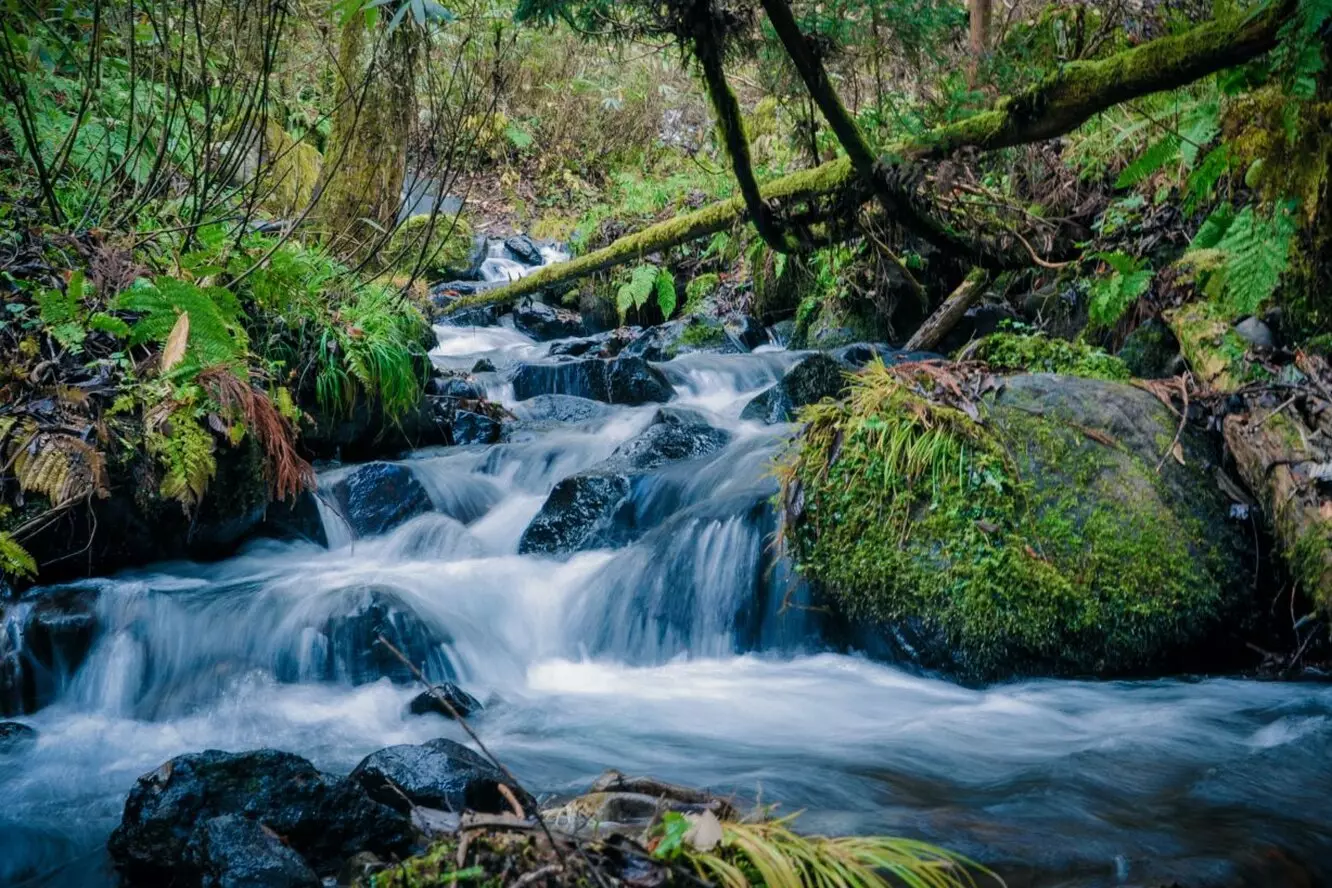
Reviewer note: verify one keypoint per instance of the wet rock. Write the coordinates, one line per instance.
(367, 433)
(579, 514)
(633, 381)
(1150, 351)
(323, 819)
(353, 653)
(474, 428)
(462, 702)
(577, 348)
(1256, 333)
(438, 774)
(783, 331)
(593, 509)
(560, 408)
(15, 737)
(624, 380)
(232, 851)
(295, 519)
(808, 382)
(668, 341)
(748, 331)
(545, 322)
(522, 248)
(43, 644)
(978, 322)
(380, 496)
(483, 365)
(459, 387)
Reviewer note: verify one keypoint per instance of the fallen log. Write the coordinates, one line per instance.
(947, 315)
(1057, 105)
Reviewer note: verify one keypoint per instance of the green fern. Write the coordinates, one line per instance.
(374, 348)
(644, 282)
(1111, 295)
(185, 454)
(63, 313)
(14, 559)
(1240, 257)
(1157, 155)
(216, 335)
(1298, 58)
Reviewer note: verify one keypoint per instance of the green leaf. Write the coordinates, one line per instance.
(665, 287)
(1157, 155)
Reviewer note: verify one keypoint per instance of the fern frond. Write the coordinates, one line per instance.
(215, 334)
(14, 559)
(185, 453)
(60, 467)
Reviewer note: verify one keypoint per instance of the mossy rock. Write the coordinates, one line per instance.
(448, 253)
(1040, 541)
(1038, 353)
(287, 170)
(1150, 351)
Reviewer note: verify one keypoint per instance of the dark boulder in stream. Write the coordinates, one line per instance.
(353, 652)
(591, 509)
(233, 851)
(545, 322)
(438, 774)
(42, 644)
(169, 834)
(380, 496)
(430, 703)
(813, 379)
(15, 737)
(625, 380)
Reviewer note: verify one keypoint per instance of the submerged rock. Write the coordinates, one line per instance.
(545, 322)
(426, 702)
(353, 653)
(380, 496)
(437, 774)
(15, 737)
(232, 851)
(1043, 542)
(169, 817)
(43, 645)
(624, 380)
(591, 509)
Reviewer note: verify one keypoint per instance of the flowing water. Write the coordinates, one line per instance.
(672, 656)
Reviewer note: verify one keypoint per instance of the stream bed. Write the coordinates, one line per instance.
(683, 653)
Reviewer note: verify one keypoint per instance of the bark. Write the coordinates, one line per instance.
(1276, 462)
(946, 316)
(895, 201)
(979, 36)
(366, 160)
(1061, 103)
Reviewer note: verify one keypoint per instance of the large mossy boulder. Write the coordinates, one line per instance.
(438, 246)
(1053, 528)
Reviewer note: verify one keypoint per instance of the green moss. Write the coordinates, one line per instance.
(1017, 546)
(703, 333)
(699, 290)
(448, 252)
(1038, 353)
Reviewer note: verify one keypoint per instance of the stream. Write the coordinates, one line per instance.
(673, 656)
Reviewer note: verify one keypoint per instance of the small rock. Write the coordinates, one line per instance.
(1256, 333)
(15, 737)
(462, 702)
(483, 365)
(437, 774)
(378, 497)
(474, 428)
(523, 249)
(236, 852)
(625, 380)
(747, 331)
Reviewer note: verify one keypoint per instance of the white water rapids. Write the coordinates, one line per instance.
(673, 657)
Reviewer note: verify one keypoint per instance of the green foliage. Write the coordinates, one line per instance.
(1240, 256)
(1299, 56)
(1115, 293)
(1039, 353)
(375, 348)
(699, 290)
(63, 313)
(14, 559)
(184, 450)
(216, 335)
(645, 282)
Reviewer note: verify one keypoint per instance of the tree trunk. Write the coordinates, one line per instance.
(980, 37)
(1059, 104)
(366, 160)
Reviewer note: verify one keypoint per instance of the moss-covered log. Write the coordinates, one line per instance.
(1055, 106)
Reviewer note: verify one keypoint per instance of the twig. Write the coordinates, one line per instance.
(535, 875)
(1043, 263)
(1183, 421)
